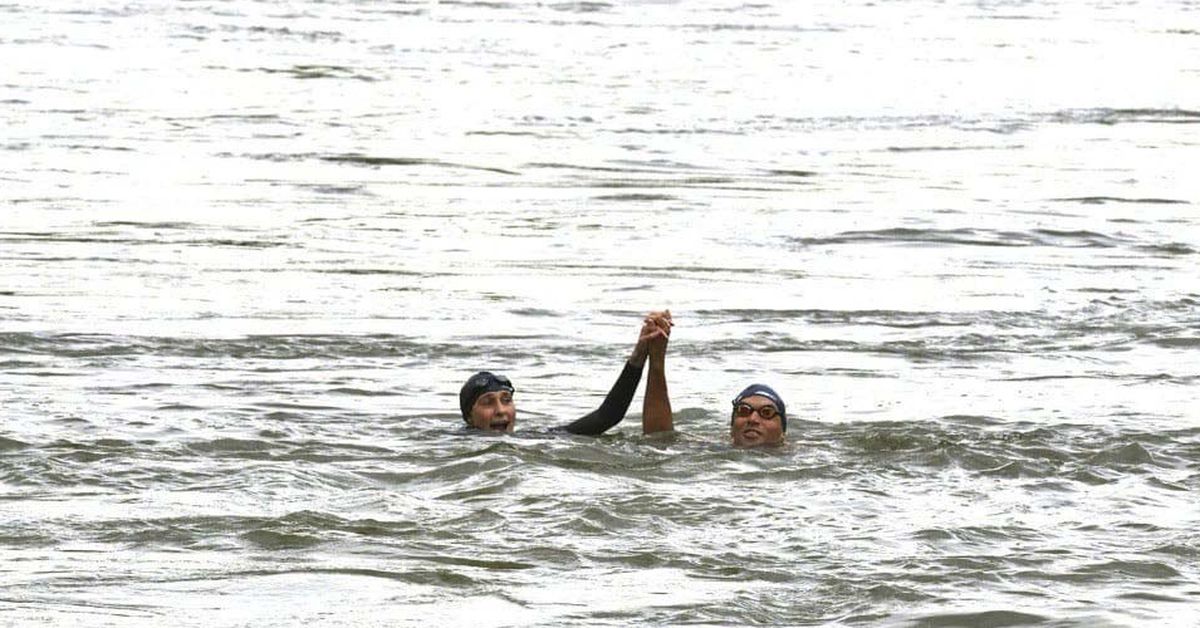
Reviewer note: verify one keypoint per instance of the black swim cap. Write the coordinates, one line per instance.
(764, 390)
(478, 384)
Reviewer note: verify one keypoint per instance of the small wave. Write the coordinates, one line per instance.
(991, 619)
(19, 364)
(480, 4)
(304, 72)
(897, 593)
(239, 118)
(249, 347)
(974, 420)
(487, 487)
(987, 535)
(273, 157)
(604, 519)
(722, 183)
(1100, 200)
(477, 464)
(168, 407)
(968, 347)
(1130, 454)
(368, 160)
(966, 236)
(582, 7)
(116, 149)
(368, 271)
(1170, 486)
(296, 530)
(549, 555)
(278, 540)
(1153, 597)
(1183, 342)
(281, 405)
(338, 190)
(1095, 477)
(566, 166)
(1081, 239)
(1170, 248)
(635, 197)
(535, 312)
(1009, 470)
(1042, 453)
(880, 318)
(874, 442)
(1016, 17)
(510, 134)
(1142, 569)
(1121, 116)
(227, 242)
(676, 131)
(770, 27)
(9, 444)
(147, 225)
(933, 534)
(361, 392)
(233, 445)
(151, 240)
(906, 235)
(924, 149)
(1185, 550)
(657, 271)
(1054, 455)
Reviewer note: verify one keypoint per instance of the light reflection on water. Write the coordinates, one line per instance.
(250, 252)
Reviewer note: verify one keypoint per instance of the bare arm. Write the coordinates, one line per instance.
(656, 405)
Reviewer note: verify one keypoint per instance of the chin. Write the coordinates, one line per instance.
(756, 441)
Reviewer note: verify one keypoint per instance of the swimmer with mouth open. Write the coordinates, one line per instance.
(486, 399)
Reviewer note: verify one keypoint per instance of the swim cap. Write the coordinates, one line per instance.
(764, 390)
(478, 384)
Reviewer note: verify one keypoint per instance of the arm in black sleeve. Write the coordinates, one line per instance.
(614, 406)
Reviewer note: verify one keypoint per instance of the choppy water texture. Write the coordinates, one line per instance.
(251, 249)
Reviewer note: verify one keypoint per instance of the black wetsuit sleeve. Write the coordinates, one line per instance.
(614, 406)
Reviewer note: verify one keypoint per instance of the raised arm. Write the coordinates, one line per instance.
(656, 405)
(616, 403)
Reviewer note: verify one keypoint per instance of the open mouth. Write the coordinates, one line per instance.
(500, 425)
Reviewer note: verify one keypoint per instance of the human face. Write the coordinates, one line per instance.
(753, 430)
(494, 411)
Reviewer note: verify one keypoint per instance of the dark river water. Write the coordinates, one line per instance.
(250, 250)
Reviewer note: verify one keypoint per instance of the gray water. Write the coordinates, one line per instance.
(251, 249)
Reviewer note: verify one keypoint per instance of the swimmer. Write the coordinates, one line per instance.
(759, 416)
(486, 399)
